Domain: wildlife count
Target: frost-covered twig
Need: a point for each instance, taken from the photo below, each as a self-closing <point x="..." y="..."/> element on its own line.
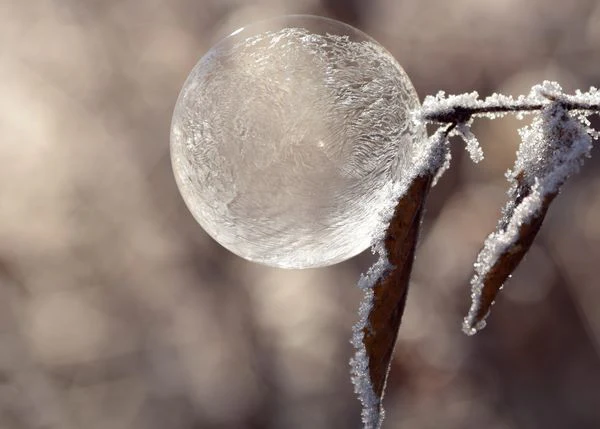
<point x="461" y="108"/>
<point x="553" y="148"/>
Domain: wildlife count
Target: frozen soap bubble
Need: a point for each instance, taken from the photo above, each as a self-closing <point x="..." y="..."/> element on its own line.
<point x="287" y="138"/>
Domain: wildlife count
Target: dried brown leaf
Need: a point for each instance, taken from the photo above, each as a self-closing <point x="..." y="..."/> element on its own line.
<point x="510" y="258"/>
<point x="390" y="290"/>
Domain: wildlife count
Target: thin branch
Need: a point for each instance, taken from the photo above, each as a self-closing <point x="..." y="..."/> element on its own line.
<point x="460" y="114"/>
<point x="461" y="108"/>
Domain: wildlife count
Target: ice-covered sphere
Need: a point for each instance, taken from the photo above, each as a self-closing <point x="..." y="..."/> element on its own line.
<point x="287" y="137"/>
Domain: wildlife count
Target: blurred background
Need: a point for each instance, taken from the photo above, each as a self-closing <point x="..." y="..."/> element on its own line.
<point x="118" y="311"/>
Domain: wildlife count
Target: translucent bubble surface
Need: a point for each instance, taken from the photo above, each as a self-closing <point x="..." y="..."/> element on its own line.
<point x="287" y="136"/>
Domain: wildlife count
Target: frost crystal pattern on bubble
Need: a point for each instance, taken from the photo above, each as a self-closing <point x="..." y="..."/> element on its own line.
<point x="286" y="143"/>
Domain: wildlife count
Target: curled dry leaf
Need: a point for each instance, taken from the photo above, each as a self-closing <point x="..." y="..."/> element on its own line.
<point x="389" y="292"/>
<point x="508" y="260"/>
<point x="553" y="148"/>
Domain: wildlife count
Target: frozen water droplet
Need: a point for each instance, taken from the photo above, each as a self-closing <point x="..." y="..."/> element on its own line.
<point x="287" y="136"/>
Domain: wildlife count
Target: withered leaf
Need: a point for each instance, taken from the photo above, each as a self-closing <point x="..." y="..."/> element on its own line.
<point x="511" y="256"/>
<point x="390" y="290"/>
<point x="553" y="148"/>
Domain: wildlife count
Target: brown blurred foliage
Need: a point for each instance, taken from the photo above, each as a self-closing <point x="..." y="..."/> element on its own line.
<point x="117" y="311"/>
